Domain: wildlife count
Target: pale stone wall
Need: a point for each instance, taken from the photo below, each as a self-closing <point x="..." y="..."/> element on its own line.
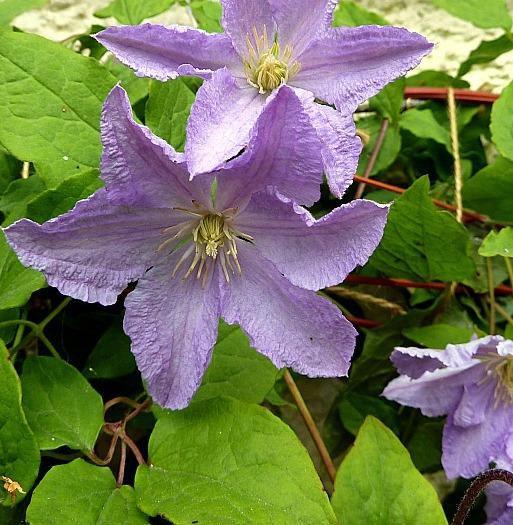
<point x="454" y="38"/>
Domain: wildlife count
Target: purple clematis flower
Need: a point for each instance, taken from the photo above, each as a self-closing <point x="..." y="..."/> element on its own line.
<point x="269" y="45"/>
<point x="499" y="498"/>
<point x="472" y="384"/>
<point x="226" y="244"/>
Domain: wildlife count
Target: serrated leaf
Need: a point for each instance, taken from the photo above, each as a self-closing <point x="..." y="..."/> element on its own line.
<point x="502" y="122"/>
<point x="423" y="124"/>
<point x="236" y="369"/>
<point x="422" y="243"/>
<point x="10" y="9"/>
<point x="377" y="483"/>
<point x="490" y="191"/>
<point x="493" y="14"/>
<point x="111" y="357"/>
<point x="168" y="108"/>
<point x="486" y="52"/>
<point x="78" y="492"/>
<point x="61" y="407"/>
<point x="134" y="11"/>
<point x="17" y="283"/>
<point x="349" y="13"/>
<point x="223" y="461"/>
<point x="19" y="453"/>
<point x="498" y="243"/>
<point x="438" y="335"/>
<point x="54" y="202"/>
<point x="50" y="105"/>
<point x="208" y="15"/>
<point x="389" y="151"/>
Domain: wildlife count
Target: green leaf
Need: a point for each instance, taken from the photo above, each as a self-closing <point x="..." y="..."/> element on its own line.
<point x="423" y="243"/>
<point x="493" y="14"/>
<point x="19" y="454"/>
<point x="223" y="461"/>
<point x="54" y="202"/>
<point x="502" y="122"/>
<point x="17" y="283"/>
<point x="208" y="15"/>
<point x="351" y="14"/>
<point x="438" y="335"/>
<point x="377" y="483"/>
<point x="236" y="369"/>
<point x="136" y="87"/>
<point x="7" y="334"/>
<point x="423" y="124"/>
<point x="490" y="191"/>
<point x="498" y="243"/>
<point x="486" y="52"/>
<point x="111" y="357"/>
<point x="82" y="493"/>
<point x="13" y="203"/>
<point x="390" y="100"/>
<point x="168" y="108"/>
<point x="61" y="407"/>
<point x="425" y="445"/>
<point x="10" y="9"/>
<point x="51" y="103"/>
<point x="432" y="78"/>
<point x="354" y="408"/>
<point x="134" y="11"/>
<point x="389" y="151"/>
<point x="10" y="169"/>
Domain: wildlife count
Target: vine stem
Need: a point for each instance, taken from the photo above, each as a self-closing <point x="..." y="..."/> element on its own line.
<point x="310" y="423"/>
<point x="509" y="266"/>
<point x="455" y="140"/>
<point x="475" y="489"/>
<point x="504" y="313"/>
<point x="493" y="306"/>
<point x="36" y="330"/>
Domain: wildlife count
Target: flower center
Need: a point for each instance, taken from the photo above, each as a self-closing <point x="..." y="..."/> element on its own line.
<point x="267" y="67"/>
<point x="214" y="239"/>
<point x="502" y="369"/>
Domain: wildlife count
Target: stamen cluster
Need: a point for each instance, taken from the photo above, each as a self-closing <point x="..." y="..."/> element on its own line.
<point x="500" y="369"/>
<point x="266" y="67"/>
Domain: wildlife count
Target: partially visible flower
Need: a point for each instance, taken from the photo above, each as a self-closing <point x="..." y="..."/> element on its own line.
<point x="499" y="499"/>
<point x="472" y="384"/>
<point x="12" y="487"/>
<point x="226" y="244"/>
<point x="268" y="44"/>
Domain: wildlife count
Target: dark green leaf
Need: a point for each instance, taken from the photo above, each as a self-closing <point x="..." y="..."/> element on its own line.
<point x="377" y="483"/>
<point x="7" y="333"/>
<point x="493" y="14"/>
<point x="236" y="369"/>
<point x="438" y="335"/>
<point x="13" y="203"/>
<point x="19" y="454"/>
<point x="134" y="11"/>
<point x="502" y="123"/>
<point x="61" y="407"/>
<point x="390" y="100"/>
<point x="498" y="243"/>
<point x="51" y="101"/>
<point x="168" y="108"/>
<point x="351" y="14"/>
<point x="10" y="9"/>
<point x="423" y="124"/>
<point x="17" y="283"/>
<point x="136" y="87"/>
<point x="83" y="494"/>
<point x="487" y="51"/>
<point x="432" y="78"/>
<point x="425" y="445"/>
<point x="223" y="461"/>
<point x="10" y="169"/>
<point x="490" y="191"/>
<point x="423" y="243"/>
<point x="54" y="202"/>
<point x="208" y="15"/>
<point x="111" y="357"/>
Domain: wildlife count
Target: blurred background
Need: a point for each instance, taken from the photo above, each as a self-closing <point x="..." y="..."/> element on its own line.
<point x="454" y="38"/>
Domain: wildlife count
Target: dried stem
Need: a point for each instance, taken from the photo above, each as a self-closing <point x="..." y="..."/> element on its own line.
<point x="455" y="140"/>
<point x="355" y="295"/>
<point x="475" y="489"/>
<point x="312" y="427"/>
<point x="122" y="464"/>
<point x="373" y="158"/>
<point x="135" y="450"/>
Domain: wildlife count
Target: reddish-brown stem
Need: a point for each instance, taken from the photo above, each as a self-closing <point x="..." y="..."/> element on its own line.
<point x="110" y="454"/>
<point x="122" y="463"/>
<point x="135" y="450"/>
<point x="373" y="158"/>
<point x="462" y="95"/>
<point x="363" y="323"/>
<point x="141" y="408"/>
<point x="310" y="424"/>
<point x="405" y="283"/>
<point x="119" y="400"/>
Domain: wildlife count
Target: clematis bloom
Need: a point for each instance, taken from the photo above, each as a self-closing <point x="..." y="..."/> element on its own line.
<point x="499" y="498"/>
<point x="226" y="244"/>
<point x="472" y="384"/>
<point x="267" y="45"/>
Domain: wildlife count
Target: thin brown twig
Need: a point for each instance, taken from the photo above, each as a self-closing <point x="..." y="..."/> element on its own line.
<point x="120" y="400"/>
<point x="110" y="454"/>
<point x="489" y="268"/>
<point x="455" y="141"/>
<point x="135" y="450"/>
<point x="312" y="427"/>
<point x="462" y="95"/>
<point x="348" y="293"/>
<point x="373" y="158"/>
<point x="122" y="464"/>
